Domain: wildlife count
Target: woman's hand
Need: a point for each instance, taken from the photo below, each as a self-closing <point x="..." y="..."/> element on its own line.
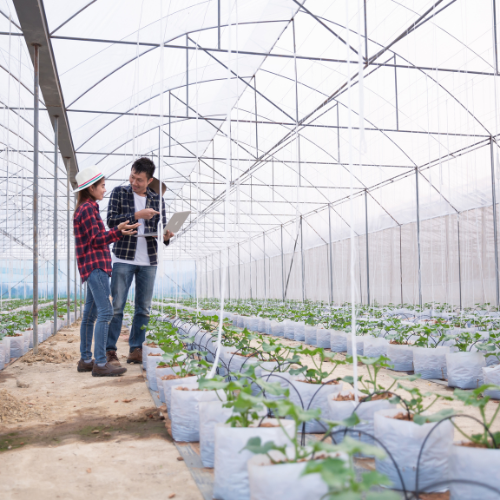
<point x="128" y="229"/>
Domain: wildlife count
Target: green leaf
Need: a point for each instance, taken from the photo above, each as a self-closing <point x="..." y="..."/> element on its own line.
<point x="435" y="417"/>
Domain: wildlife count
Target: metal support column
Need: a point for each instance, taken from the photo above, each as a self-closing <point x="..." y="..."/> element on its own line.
<point x="228" y="276"/>
<point x="250" y="247"/>
<point x="282" y="268"/>
<point x="367" y="254"/>
<point x="495" y="229"/>
<point x="35" y="197"/>
<point x="331" y="258"/>
<point x="239" y="273"/>
<point x="459" y="263"/>
<point x="68" y="267"/>
<point x="56" y="157"/>
<point x="418" y="240"/>
<point x="302" y="262"/>
<point x="264" y="262"/>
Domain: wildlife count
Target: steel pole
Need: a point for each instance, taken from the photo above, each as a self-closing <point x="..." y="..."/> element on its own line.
<point x="282" y="268"/>
<point x="367" y="254"/>
<point x="459" y="263"/>
<point x="35" y="197"/>
<point x="56" y="157"/>
<point x="68" y="266"/>
<point x="239" y="273"/>
<point x="264" y="249"/>
<point x="331" y="258"/>
<point x="228" y="277"/>
<point x="495" y="229"/>
<point x="418" y="240"/>
<point x="302" y="262"/>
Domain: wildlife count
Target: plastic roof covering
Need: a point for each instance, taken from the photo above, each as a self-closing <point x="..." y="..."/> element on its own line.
<point x="429" y="101"/>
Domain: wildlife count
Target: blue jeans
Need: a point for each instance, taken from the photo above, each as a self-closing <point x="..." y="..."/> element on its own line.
<point x="97" y="306"/>
<point x="121" y="279"/>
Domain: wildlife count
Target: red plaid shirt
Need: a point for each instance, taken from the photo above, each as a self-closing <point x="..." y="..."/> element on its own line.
<point x="92" y="240"/>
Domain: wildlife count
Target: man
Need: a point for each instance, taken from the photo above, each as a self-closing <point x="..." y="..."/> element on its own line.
<point x="134" y="256"/>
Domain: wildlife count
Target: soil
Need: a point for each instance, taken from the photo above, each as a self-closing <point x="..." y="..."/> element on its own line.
<point x="65" y="434"/>
<point x="245" y="355"/>
<point x="154" y="354"/>
<point x="174" y="377"/>
<point x="350" y="397"/>
<point x="403" y="416"/>
<point x="268" y="424"/>
<point x="470" y="444"/>
<point x="393" y="342"/>
<point x="330" y="382"/>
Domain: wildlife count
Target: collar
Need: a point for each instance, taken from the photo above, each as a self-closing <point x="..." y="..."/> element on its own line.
<point x="149" y="192"/>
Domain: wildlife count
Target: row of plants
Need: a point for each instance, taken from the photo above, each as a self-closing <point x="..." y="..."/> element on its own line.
<point x="253" y="416"/>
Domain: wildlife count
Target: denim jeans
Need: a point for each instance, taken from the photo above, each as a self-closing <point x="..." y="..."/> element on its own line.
<point x="121" y="279"/>
<point x="97" y="306"/>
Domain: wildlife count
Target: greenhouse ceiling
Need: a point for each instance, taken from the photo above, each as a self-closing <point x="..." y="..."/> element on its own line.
<point x="331" y="112"/>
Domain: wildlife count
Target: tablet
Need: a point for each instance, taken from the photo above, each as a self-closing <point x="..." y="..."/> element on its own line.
<point x="173" y="225"/>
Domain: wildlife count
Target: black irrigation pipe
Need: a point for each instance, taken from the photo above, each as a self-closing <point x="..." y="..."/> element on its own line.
<point x="433" y="429"/>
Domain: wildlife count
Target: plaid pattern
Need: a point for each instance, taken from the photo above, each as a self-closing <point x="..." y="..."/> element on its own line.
<point x="121" y="207"/>
<point x="92" y="240"/>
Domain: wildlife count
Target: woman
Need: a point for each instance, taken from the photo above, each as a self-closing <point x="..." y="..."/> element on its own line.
<point x="94" y="264"/>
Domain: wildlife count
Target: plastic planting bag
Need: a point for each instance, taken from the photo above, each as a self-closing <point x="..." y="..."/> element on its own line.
<point x="169" y="384"/>
<point x="233" y="359"/>
<point x="311" y="396"/>
<point x="262" y="325"/>
<point x="289" y="329"/>
<point x="359" y="345"/>
<point x="340" y="410"/>
<point x="374" y="347"/>
<point x="152" y="360"/>
<point x="146" y="349"/>
<point x="299" y="331"/>
<point x="269" y="329"/>
<point x="278" y="328"/>
<point x="403" y="439"/>
<point x="282" y="481"/>
<point x="492" y="376"/>
<point x="241" y="322"/>
<point x="323" y="338"/>
<point x="26" y="342"/>
<point x="480" y="465"/>
<point x="430" y="362"/>
<point x="465" y="369"/>
<point x="2" y="355"/>
<point x="162" y="372"/>
<point x="211" y="413"/>
<point x="185" y="410"/>
<point x="17" y="346"/>
<point x="338" y="341"/>
<point x="235" y="319"/>
<point x="231" y="472"/>
<point x="401" y="356"/>
<point x="310" y="335"/>
<point x="6" y="346"/>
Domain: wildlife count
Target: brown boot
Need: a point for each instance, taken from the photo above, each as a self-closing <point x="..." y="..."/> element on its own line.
<point x="85" y="367"/>
<point x="135" y="356"/>
<point x="112" y="358"/>
<point x="107" y="370"/>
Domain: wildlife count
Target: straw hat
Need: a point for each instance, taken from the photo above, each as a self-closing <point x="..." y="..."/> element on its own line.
<point x="87" y="177"/>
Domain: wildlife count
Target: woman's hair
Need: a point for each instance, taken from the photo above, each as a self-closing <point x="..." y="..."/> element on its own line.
<point x="85" y="195"/>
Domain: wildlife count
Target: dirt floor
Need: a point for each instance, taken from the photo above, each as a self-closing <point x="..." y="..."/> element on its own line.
<point x="65" y="434"/>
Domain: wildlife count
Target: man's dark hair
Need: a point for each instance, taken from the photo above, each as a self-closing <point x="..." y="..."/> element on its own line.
<point x="144" y="165"/>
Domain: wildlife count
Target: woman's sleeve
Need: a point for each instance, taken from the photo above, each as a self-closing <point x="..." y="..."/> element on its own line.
<point x="95" y="235"/>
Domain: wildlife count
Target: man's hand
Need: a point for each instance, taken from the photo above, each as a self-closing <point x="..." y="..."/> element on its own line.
<point x="168" y="235"/>
<point x="146" y="214"/>
<point x="128" y="229"/>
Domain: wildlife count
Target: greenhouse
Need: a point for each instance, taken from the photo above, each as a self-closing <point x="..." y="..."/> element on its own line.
<point x="322" y="317"/>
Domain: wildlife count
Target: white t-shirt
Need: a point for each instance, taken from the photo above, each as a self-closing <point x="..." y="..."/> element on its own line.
<point x="141" y="252"/>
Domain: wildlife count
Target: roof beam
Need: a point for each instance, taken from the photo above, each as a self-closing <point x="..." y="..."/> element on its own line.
<point x="33" y="22"/>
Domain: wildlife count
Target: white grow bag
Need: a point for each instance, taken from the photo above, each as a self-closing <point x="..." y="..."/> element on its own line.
<point x="311" y="396"/>
<point x="185" y="412"/>
<point x="299" y="332"/>
<point x="211" y="413"/>
<point x="430" y="362"/>
<point x="359" y="345"/>
<point x="152" y="361"/>
<point x="282" y="481"/>
<point x="492" y="376"/>
<point x="465" y="369"/>
<point x="476" y="464"/>
<point x="146" y="350"/>
<point x="310" y="335"/>
<point x="373" y="347"/>
<point x="277" y="328"/>
<point x="17" y="346"/>
<point x="404" y="439"/>
<point x="162" y="372"/>
<point x="169" y="384"/>
<point x="340" y="410"/>
<point x="338" y="341"/>
<point x="231" y="472"/>
<point x="2" y="355"/>
<point x="401" y="356"/>
<point x="323" y="337"/>
<point x="289" y="329"/>
<point x="6" y="347"/>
